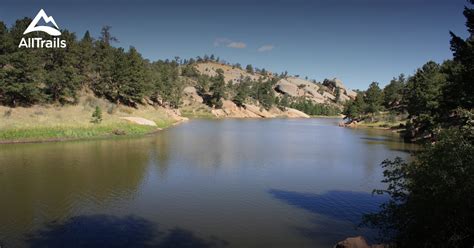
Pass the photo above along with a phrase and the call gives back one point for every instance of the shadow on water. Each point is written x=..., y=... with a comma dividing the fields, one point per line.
x=341, y=205
x=346, y=207
x=111, y=231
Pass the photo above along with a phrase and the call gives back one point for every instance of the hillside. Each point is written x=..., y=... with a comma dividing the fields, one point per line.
x=48, y=89
x=293, y=89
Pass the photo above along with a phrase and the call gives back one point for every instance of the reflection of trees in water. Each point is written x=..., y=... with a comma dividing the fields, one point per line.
x=111, y=231
x=160, y=152
x=43, y=181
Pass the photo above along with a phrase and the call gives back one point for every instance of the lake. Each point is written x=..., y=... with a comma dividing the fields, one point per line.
x=205, y=183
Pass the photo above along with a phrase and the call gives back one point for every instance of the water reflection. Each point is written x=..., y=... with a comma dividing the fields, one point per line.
x=54, y=181
x=204, y=177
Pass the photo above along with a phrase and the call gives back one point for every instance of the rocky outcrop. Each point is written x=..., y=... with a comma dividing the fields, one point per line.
x=293, y=113
x=296, y=87
x=284, y=86
x=231, y=110
x=333, y=84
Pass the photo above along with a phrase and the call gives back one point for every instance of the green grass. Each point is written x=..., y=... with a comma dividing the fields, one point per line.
x=381, y=124
x=200, y=113
x=72, y=132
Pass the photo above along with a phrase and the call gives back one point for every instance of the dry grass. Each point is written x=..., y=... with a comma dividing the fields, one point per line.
x=74, y=121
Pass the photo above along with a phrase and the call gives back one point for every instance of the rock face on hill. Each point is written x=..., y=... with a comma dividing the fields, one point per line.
x=335, y=83
x=231, y=110
x=297, y=87
x=290, y=86
x=325, y=93
x=293, y=87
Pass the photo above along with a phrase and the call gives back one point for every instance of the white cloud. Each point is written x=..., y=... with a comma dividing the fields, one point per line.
x=238, y=45
x=229, y=43
x=221, y=41
x=265, y=48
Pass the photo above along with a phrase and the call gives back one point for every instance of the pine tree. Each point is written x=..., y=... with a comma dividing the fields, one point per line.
x=459, y=89
x=218, y=89
x=373, y=98
x=393, y=93
x=62, y=78
x=97, y=115
x=86, y=65
x=249, y=69
x=242, y=93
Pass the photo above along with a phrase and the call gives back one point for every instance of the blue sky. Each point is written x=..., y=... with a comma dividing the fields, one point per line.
x=359, y=41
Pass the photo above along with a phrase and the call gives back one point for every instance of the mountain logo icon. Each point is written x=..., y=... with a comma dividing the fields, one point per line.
x=47, y=19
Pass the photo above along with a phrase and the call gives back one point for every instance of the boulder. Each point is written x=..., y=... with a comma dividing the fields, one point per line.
x=286, y=87
x=139, y=121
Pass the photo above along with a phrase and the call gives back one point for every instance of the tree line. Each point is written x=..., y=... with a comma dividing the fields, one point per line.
x=431, y=203
x=45, y=76
x=437, y=96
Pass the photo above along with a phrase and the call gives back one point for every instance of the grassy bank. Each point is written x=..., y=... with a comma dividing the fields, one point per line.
x=58, y=133
x=56, y=123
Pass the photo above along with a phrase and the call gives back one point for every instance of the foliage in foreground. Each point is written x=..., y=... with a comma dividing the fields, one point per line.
x=431, y=201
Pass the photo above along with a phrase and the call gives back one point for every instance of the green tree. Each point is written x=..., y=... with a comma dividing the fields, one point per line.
x=135, y=84
x=218, y=89
x=284, y=102
x=242, y=90
x=431, y=203
x=458, y=92
x=62, y=79
x=265, y=94
x=393, y=93
x=373, y=98
x=355, y=109
x=97, y=115
x=423, y=95
x=20, y=75
x=85, y=63
x=249, y=69
x=167, y=88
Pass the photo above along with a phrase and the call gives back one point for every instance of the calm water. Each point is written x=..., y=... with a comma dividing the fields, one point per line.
x=233, y=183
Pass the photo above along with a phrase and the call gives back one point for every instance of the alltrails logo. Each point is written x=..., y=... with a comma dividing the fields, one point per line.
x=40, y=42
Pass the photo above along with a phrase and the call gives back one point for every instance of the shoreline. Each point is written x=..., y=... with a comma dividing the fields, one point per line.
x=134, y=130
x=86, y=133
x=122, y=130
